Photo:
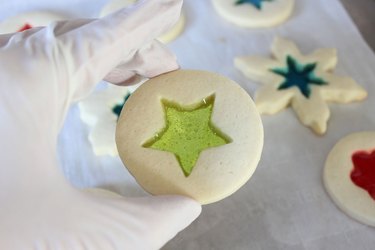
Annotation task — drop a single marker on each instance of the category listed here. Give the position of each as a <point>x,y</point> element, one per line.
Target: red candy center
<point>26,26</point>
<point>363,174</point>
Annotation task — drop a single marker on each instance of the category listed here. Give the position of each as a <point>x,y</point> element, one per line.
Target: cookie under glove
<point>305,82</point>
<point>28,20</point>
<point>55,66</point>
<point>166,37</point>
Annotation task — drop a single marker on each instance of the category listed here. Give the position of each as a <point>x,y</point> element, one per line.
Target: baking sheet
<point>284,205</point>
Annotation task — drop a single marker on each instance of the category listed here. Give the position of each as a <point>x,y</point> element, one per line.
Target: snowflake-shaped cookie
<point>303,81</point>
<point>100,111</point>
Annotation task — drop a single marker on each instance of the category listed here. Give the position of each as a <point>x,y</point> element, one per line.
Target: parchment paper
<point>284,205</point>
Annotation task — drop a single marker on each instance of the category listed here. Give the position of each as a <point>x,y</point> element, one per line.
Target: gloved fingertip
<point>190,206</point>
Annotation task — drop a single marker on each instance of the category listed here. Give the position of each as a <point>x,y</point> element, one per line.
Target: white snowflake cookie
<point>100,111</point>
<point>349,176</point>
<point>303,81</point>
<point>169,36</point>
<point>27,20</point>
<point>254,13</point>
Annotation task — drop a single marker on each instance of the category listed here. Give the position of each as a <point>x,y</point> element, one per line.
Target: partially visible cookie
<point>303,81</point>
<point>27,20</point>
<point>349,176</point>
<point>100,111</point>
<point>191,133</point>
<point>165,38</point>
<point>254,13</point>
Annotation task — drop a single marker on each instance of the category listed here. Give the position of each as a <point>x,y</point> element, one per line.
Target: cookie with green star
<point>304,82</point>
<point>191,133</point>
<point>188,131</point>
<point>254,13</point>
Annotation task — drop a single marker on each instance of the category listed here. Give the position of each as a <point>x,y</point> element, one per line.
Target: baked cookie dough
<point>349,176</point>
<point>191,133</point>
<point>29,20</point>
<point>303,81</point>
<point>100,111</point>
<point>254,13</point>
<point>169,36</point>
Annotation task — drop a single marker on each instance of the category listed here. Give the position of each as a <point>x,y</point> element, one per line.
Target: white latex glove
<point>42,71</point>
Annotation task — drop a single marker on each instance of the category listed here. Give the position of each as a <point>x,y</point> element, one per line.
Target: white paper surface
<point>284,205</point>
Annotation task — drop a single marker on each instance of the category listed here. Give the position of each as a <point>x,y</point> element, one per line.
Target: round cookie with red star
<point>254,13</point>
<point>28,20</point>
<point>349,176</point>
<point>191,133</point>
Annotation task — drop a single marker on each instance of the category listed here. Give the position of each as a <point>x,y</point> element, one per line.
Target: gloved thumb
<point>92,50</point>
<point>151,60</point>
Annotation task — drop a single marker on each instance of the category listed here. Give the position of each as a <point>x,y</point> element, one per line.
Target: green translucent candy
<point>188,132</point>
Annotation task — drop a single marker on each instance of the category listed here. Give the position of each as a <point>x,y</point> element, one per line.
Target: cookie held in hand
<point>191,133</point>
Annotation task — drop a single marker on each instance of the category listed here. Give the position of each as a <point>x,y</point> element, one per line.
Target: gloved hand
<point>42,71</point>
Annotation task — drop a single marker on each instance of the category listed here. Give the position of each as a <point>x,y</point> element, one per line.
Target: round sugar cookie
<point>169,36</point>
<point>29,20</point>
<point>349,176</point>
<point>191,133</point>
<point>254,13</point>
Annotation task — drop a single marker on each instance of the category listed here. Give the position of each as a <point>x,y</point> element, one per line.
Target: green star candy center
<point>188,131</point>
